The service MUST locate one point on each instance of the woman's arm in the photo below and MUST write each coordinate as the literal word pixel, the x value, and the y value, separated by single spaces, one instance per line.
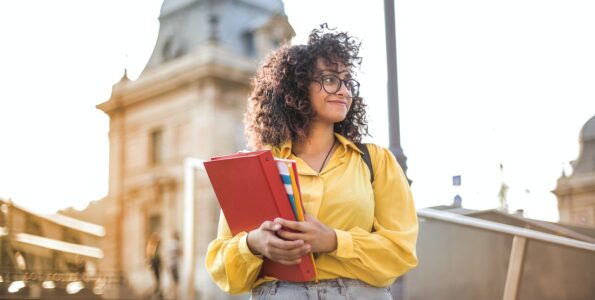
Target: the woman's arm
pixel 230 262
pixel 389 251
pixel 376 257
pixel 234 262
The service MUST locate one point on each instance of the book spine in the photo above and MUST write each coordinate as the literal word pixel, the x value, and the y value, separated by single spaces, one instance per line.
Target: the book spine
pixel 306 268
pixel 276 186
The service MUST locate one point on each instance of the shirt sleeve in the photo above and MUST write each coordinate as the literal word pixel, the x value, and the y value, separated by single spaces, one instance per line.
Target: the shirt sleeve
pixel 380 256
pixel 229 261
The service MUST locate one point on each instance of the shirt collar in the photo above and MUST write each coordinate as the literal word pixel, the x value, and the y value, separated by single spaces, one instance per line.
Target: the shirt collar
pixel 347 143
pixel 284 151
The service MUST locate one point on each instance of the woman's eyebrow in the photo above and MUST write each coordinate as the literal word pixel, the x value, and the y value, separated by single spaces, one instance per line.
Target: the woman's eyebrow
pixel 333 71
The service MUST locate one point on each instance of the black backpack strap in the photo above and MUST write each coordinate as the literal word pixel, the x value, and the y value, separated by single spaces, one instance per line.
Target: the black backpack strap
pixel 367 159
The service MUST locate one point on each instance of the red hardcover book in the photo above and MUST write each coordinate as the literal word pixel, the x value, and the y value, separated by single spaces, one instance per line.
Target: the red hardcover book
pixel 250 191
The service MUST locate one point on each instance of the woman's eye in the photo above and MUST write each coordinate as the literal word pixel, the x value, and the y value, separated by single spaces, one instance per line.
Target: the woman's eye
pixel 330 80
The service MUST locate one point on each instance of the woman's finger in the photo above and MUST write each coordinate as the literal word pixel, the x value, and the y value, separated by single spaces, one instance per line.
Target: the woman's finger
pixel 278 243
pixel 292 236
pixel 290 262
pixel 297 226
pixel 270 226
pixel 289 254
pixel 310 218
pixel 286 249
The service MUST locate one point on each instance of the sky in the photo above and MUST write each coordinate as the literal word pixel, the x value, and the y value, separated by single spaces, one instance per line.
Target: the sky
pixel 481 83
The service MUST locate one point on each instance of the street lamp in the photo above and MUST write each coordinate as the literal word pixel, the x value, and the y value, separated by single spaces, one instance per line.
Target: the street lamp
pixel 392 86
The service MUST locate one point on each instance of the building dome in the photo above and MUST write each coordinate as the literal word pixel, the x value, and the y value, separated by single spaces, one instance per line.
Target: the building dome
pixel 247 28
pixel 585 163
pixel 588 131
pixel 576 193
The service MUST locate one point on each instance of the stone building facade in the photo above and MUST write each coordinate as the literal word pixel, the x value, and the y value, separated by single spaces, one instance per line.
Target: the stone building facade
pixel 576 193
pixel 188 102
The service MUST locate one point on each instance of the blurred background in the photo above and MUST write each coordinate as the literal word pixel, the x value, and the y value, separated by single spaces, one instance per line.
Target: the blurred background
pixel 102 104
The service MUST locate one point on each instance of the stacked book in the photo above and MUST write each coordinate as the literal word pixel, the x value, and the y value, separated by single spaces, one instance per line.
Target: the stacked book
pixel 253 187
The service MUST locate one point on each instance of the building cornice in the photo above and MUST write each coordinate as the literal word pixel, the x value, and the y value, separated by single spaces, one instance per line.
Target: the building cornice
pixel 208 61
pixel 576 184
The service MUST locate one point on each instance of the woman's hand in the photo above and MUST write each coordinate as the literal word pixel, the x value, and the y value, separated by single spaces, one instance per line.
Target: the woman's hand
pixel 320 237
pixel 263 240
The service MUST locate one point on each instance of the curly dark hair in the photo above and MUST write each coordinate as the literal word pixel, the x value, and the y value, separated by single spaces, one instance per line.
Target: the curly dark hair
pixel 279 108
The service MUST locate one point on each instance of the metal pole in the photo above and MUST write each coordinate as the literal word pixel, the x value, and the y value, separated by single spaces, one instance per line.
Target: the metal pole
pixel 392 86
pixel 394 131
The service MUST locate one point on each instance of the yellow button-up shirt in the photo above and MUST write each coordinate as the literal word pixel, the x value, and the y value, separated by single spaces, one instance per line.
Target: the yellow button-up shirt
pixel 376 224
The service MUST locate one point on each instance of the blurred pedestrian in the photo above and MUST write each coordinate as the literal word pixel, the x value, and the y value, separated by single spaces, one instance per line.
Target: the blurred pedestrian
pixel 153 255
pixel 174 252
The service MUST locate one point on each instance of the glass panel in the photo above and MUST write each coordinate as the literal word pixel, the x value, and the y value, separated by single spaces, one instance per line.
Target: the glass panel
pixel 458 262
pixel 552 271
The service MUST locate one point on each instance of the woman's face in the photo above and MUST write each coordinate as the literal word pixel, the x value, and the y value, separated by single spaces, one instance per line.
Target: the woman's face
pixel 330 108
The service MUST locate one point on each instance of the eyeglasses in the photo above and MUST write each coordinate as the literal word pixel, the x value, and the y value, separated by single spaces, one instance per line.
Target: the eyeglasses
pixel 332 84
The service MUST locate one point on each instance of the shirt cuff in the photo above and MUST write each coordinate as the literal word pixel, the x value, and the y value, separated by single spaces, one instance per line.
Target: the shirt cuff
pixel 245 250
pixel 344 244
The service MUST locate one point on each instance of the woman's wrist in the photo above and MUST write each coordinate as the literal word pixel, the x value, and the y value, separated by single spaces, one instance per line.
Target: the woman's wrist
pixel 332 241
pixel 250 242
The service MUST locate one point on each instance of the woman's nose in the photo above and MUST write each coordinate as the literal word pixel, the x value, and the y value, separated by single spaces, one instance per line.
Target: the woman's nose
pixel 343 90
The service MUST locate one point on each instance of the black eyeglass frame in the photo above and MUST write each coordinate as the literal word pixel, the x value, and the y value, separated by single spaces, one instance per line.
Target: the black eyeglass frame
pixel 354 90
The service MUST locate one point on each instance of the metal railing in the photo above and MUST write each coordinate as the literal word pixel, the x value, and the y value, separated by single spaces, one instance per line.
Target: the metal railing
pixel 519 242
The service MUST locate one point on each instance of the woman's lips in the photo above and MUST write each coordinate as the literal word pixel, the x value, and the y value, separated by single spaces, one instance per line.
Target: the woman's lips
pixel 342 102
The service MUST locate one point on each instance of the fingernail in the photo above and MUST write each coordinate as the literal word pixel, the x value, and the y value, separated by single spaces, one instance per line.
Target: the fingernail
pixel 276 226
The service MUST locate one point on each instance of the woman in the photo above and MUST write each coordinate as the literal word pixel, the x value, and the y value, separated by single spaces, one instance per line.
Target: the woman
pixel 305 106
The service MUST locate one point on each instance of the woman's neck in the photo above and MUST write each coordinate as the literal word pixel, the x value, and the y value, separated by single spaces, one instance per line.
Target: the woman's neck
pixel 319 140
